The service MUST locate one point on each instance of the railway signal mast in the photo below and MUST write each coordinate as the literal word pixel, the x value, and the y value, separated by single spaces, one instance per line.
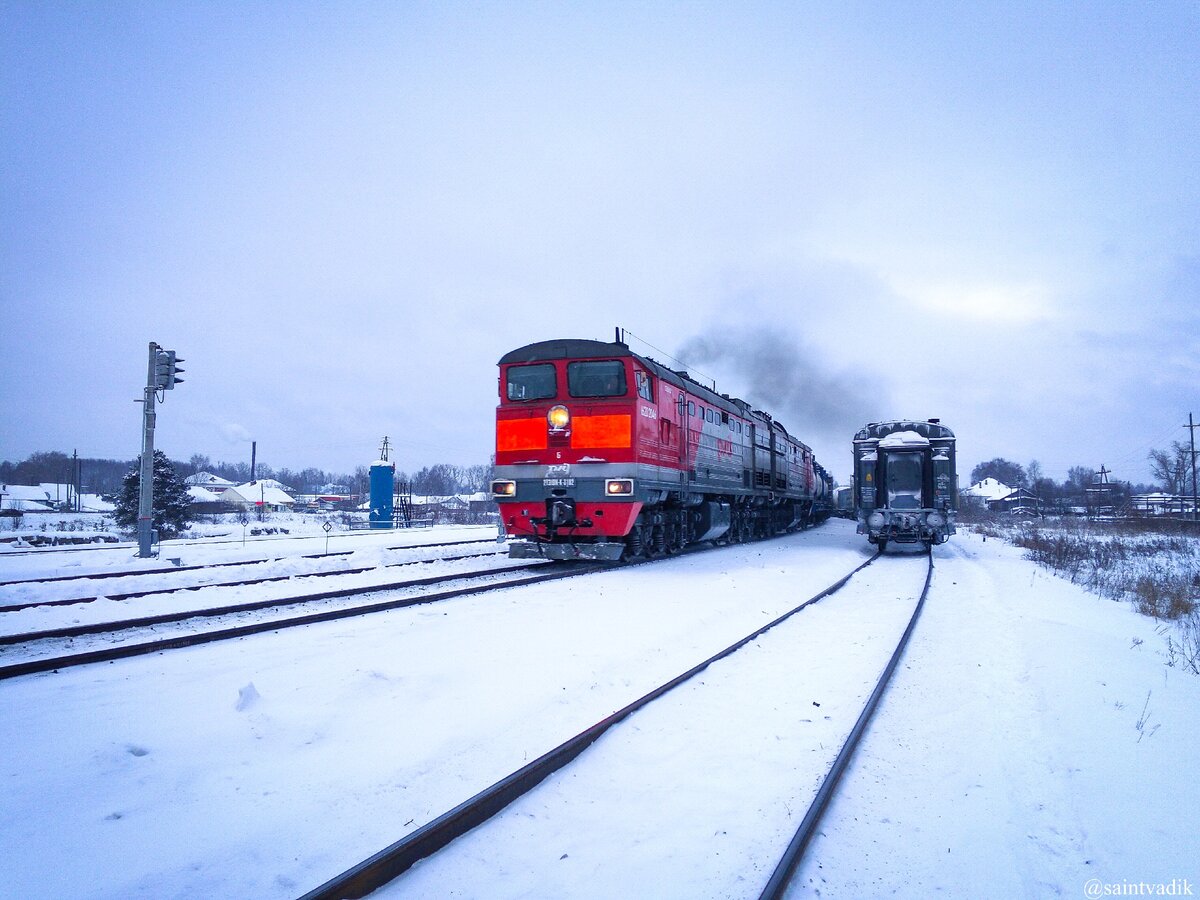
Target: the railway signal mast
pixel 162 374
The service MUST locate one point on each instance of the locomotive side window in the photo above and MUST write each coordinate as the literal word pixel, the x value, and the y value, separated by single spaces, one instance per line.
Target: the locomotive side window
pixel 531 382
pixel 598 378
pixel 691 408
pixel 644 388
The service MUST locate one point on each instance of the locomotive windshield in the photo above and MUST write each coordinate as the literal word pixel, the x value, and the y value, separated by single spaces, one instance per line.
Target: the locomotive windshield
pixel 531 383
pixel 599 378
pixel 904 480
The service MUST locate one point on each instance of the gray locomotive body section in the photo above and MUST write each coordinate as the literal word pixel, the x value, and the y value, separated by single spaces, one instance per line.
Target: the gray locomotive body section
pixel 905 482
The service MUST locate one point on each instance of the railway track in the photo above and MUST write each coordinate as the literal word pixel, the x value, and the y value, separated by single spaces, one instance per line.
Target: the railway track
pixel 499 579
pixel 131 595
pixel 165 570
pixel 389 863
pixel 179 544
pixel 16 644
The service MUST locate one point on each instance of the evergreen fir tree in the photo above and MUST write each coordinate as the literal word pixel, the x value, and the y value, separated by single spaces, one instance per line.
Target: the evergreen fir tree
pixel 172 503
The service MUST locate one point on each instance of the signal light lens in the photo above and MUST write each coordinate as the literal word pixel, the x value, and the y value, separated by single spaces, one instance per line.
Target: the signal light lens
pixel 504 488
pixel 616 487
pixel 558 417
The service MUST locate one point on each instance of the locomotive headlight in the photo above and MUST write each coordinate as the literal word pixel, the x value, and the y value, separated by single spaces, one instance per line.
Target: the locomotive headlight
pixel 935 520
pixel 875 520
pixel 504 488
pixel 615 487
pixel 558 417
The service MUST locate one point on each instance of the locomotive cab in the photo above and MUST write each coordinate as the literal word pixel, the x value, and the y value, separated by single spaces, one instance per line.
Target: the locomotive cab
pixel 905 483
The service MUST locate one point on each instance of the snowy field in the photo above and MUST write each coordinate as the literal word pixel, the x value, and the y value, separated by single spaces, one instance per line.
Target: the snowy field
pixel 1034 742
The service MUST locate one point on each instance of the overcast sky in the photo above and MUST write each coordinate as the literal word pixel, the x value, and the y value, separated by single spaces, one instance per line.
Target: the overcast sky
pixel 343 214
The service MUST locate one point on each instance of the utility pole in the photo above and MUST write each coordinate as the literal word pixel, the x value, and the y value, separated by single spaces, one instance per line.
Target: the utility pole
pixel 1191 427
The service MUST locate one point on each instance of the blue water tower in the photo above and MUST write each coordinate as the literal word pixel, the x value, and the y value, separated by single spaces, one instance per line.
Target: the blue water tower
pixel 383 480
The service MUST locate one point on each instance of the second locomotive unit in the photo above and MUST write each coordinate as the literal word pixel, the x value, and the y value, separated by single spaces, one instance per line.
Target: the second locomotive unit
pixel 905 484
pixel 605 454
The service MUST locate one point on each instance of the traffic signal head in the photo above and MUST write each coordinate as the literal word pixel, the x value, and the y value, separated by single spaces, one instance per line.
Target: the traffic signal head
pixel 166 370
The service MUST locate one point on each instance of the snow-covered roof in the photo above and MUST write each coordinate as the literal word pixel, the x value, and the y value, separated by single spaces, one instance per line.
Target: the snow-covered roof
pixel 207 479
pixel 203 495
pixel 272 483
pixel 989 489
pixel 904 439
pixel 258 492
pixel 24 492
pixel 27 505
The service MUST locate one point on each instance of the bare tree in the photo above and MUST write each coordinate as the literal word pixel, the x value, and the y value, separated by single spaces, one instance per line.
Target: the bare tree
pixel 1172 467
pixel 1034 472
pixel 1079 479
pixel 1003 470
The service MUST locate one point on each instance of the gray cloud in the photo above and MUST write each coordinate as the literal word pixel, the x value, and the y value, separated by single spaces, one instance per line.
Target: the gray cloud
pixel 785 376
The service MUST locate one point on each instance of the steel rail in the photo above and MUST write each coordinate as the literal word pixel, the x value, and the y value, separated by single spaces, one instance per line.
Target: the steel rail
pixel 384 866
pixel 53 664
pixel 178 543
pixel 72 631
pixel 781 877
pixel 132 595
pixel 246 562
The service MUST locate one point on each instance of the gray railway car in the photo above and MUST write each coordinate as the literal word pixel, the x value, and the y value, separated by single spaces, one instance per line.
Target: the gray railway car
pixel 905 484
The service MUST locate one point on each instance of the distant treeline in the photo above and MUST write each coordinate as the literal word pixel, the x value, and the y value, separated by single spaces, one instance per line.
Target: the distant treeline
pixel 104 476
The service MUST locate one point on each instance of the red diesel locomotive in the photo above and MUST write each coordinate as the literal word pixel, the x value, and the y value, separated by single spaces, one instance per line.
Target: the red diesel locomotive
pixel 605 454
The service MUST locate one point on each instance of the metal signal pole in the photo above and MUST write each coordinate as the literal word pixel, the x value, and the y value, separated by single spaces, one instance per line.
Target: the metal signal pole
pixel 162 374
pixel 145 523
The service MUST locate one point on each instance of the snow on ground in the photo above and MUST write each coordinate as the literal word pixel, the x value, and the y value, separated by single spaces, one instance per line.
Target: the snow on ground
pixel 1033 742
pixel 698 794
pixel 167 776
pixel 190 592
pixel 1008 758
pixel 229 547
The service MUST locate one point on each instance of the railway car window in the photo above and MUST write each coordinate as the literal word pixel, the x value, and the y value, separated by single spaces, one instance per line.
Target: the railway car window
pixel 904 480
pixel 691 408
pixel 599 378
pixel 531 383
pixel 644 388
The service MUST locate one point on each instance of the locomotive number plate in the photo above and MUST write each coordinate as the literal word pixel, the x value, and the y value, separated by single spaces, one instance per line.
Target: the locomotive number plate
pixel 558 482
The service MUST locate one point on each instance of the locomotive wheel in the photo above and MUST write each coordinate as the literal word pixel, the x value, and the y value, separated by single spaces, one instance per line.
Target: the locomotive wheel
pixel 635 547
pixel 658 541
pixel 675 539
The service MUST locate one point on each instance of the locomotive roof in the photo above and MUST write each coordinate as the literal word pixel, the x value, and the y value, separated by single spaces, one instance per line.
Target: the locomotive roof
pixel 927 429
pixel 569 348
pixel 578 348
pixel 581 348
